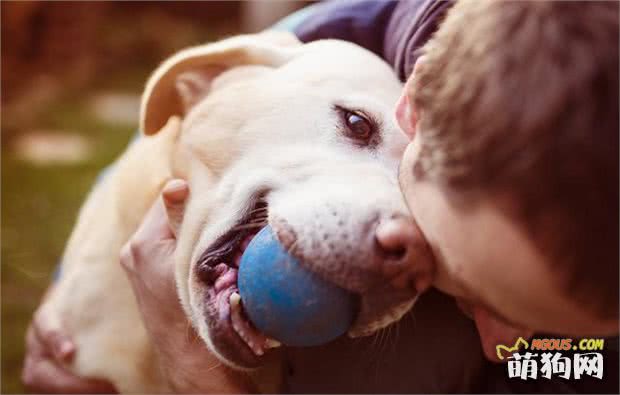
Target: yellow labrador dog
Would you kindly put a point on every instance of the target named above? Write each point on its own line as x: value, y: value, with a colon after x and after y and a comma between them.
x: 266, y: 130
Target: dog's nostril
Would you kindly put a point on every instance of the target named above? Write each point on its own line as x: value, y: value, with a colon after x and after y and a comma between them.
x: 394, y: 237
x: 394, y: 254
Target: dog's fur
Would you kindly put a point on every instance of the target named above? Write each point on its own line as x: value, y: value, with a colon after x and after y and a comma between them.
x: 259, y: 116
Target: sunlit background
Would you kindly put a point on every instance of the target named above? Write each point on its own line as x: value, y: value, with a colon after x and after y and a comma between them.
x: 72, y: 73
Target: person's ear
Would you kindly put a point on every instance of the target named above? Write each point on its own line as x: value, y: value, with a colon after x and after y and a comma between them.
x: 185, y: 79
x: 419, y: 65
x: 406, y: 113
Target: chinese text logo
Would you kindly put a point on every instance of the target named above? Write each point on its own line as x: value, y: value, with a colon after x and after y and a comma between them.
x: 551, y: 361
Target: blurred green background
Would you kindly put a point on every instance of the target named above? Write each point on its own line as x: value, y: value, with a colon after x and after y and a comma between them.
x: 72, y: 73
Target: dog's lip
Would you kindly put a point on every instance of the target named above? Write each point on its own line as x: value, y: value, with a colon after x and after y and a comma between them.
x: 223, y: 249
x: 222, y: 334
x: 231, y: 333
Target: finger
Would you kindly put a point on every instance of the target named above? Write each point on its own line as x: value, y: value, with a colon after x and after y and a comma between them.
x: 148, y: 241
x: 45, y: 376
x: 126, y: 259
x: 51, y: 336
x: 174, y: 195
x: 493, y: 330
x: 154, y: 226
x: 159, y: 225
x: 34, y: 346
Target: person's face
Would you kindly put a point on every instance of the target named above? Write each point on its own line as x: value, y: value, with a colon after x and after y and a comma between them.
x: 486, y: 261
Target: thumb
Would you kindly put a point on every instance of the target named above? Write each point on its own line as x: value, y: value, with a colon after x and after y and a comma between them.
x: 174, y: 195
x: 49, y: 330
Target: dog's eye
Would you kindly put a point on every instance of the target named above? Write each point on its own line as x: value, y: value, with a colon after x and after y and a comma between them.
x: 357, y: 125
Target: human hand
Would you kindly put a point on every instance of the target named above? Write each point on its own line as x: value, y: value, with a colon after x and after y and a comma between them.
x: 492, y: 329
x: 48, y: 351
x: 148, y: 260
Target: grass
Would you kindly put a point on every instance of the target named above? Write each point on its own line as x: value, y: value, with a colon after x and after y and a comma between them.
x: 39, y: 207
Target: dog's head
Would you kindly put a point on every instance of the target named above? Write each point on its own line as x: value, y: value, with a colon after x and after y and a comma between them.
x: 302, y: 137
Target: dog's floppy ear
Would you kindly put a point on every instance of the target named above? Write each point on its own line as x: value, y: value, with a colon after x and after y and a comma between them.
x: 185, y: 78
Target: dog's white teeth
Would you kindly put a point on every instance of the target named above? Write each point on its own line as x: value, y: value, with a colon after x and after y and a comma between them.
x: 255, y: 340
x: 272, y: 343
x: 234, y: 299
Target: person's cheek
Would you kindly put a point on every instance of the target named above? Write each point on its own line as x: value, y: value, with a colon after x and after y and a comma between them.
x: 405, y: 115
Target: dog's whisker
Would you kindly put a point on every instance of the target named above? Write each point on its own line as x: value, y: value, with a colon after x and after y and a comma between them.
x: 386, y: 342
x: 380, y: 334
x: 374, y: 340
x: 291, y: 248
x: 393, y: 338
x: 191, y: 335
x: 384, y: 338
x: 217, y: 365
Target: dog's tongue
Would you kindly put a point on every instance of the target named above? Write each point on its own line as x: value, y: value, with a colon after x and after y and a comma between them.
x: 494, y: 331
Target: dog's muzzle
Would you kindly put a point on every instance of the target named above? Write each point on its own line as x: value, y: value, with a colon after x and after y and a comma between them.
x: 382, y: 258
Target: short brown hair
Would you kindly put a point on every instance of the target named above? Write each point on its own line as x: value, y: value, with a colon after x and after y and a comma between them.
x: 520, y: 98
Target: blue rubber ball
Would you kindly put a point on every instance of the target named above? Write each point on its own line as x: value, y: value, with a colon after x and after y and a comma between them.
x: 287, y: 302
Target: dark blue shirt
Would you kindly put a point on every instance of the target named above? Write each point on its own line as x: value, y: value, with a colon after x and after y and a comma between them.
x: 394, y: 30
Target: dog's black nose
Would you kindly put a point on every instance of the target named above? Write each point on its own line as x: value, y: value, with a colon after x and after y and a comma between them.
x: 406, y: 256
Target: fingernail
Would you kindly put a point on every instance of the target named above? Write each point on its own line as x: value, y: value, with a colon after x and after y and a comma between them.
x: 176, y: 190
x: 66, y: 349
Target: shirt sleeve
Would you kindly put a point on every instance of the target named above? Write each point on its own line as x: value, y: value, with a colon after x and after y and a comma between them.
x: 394, y: 30
x: 362, y: 22
x: 411, y: 25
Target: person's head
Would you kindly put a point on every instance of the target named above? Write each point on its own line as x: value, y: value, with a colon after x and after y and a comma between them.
x: 512, y: 172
